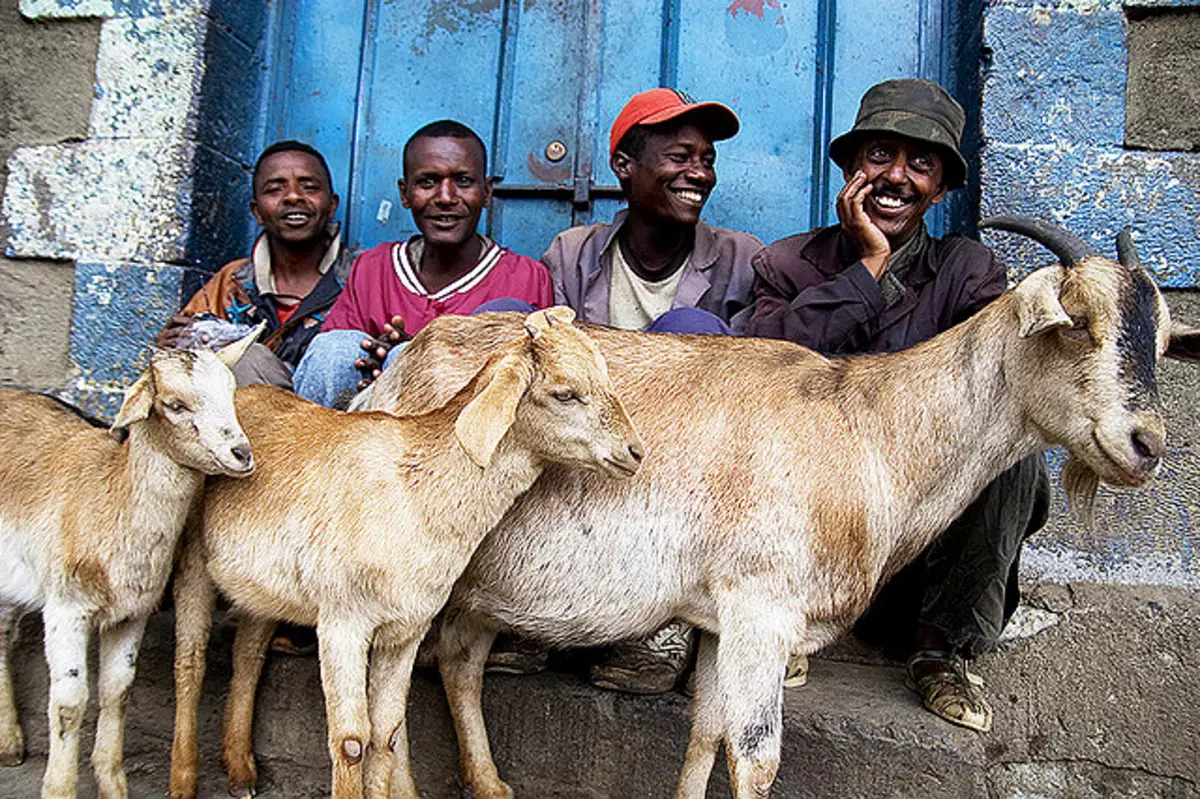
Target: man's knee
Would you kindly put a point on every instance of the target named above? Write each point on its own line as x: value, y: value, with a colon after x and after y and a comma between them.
x: 260, y: 366
x: 690, y: 320
x: 327, y: 369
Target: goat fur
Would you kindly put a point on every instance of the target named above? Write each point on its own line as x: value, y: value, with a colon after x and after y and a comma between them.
x: 88, y: 527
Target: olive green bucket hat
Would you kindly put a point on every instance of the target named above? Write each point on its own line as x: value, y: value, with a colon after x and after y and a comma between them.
x: 913, y: 108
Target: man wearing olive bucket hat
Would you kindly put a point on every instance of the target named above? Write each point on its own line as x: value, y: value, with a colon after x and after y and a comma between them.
x: 878, y: 282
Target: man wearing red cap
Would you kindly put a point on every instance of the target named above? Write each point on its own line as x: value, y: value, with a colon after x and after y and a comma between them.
x: 656, y: 256
x: 878, y: 282
x: 655, y: 267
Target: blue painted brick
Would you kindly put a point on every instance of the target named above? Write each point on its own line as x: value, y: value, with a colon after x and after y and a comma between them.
x: 118, y: 310
x: 1055, y: 75
x: 246, y: 21
x: 1095, y: 191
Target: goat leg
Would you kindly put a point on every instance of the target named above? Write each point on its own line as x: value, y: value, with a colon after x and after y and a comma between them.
x: 462, y: 655
x: 752, y: 656
x: 707, y: 723
x: 344, y: 643
x: 12, y: 737
x: 119, y: 646
x: 66, y: 633
x: 195, y: 598
x: 237, y: 748
x: 387, y: 762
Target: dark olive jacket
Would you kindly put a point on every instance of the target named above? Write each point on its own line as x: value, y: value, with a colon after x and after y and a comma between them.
x: 812, y: 289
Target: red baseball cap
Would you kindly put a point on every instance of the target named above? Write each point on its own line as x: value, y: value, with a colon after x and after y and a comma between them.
x: 660, y: 105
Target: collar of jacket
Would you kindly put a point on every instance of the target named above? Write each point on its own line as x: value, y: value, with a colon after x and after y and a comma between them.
x: 260, y: 256
x: 830, y: 252
x: 692, y: 285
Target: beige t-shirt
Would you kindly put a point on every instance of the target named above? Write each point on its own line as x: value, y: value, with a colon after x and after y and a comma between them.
x: 633, y: 303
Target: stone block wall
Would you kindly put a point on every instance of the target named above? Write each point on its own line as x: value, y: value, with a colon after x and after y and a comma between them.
x: 39, y: 107
x: 1085, y: 122
x: 152, y: 185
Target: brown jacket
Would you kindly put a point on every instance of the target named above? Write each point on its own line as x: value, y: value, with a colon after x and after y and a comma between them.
x: 813, y: 290
x: 717, y: 278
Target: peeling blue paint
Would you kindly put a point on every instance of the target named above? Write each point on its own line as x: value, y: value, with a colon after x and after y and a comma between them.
x: 119, y: 309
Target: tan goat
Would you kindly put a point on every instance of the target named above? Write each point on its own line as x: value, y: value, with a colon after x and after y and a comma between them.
x: 88, y: 531
x: 783, y: 487
x: 360, y: 523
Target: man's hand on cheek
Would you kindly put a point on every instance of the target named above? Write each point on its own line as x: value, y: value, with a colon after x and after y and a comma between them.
x: 873, y: 247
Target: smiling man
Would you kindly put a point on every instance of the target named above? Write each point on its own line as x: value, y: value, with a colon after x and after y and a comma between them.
x: 657, y: 255
x: 396, y: 288
x: 656, y: 267
x: 878, y: 282
x: 293, y: 275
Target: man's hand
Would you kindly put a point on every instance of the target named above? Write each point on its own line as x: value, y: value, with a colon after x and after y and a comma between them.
x: 377, y: 349
x: 173, y: 331
x: 872, y: 245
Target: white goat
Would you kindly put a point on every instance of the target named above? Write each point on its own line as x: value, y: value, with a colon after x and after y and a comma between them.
x: 360, y: 523
x: 88, y: 531
x: 784, y: 487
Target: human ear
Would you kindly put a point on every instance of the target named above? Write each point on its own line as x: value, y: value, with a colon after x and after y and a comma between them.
x: 621, y: 164
x: 403, y: 187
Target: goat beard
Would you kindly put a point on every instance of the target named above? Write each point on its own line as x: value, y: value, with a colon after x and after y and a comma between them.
x: 1080, y: 484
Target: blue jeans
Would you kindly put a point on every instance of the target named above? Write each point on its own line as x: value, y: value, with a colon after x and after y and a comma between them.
x: 326, y: 373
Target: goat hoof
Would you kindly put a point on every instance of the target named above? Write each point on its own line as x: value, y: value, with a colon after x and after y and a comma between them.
x: 12, y: 758
x: 241, y: 789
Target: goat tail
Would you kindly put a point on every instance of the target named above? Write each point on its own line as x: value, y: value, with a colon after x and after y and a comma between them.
x: 1080, y: 484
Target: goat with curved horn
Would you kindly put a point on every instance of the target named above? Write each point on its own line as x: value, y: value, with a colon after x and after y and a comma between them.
x: 1126, y: 253
x: 1069, y: 248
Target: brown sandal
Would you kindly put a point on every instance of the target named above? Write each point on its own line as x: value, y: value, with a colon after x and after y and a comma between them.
x: 950, y: 692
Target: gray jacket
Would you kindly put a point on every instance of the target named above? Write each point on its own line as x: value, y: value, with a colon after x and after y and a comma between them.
x: 717, y: 278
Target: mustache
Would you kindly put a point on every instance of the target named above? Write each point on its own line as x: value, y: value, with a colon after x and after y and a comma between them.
x: 884, y: 188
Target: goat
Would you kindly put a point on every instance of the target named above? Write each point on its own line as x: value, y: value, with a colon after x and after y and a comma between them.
x: 88, y: 530
x: 784, y: 487
x: 361, y: 522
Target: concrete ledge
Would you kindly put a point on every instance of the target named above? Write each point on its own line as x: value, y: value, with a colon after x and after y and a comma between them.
x: 1096, y: 698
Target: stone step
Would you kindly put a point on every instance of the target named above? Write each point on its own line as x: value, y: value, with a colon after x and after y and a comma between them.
x: 554, y: 735
x: 1094, y: 697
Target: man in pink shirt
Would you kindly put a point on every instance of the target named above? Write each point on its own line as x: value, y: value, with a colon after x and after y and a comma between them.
x: 395, y: 289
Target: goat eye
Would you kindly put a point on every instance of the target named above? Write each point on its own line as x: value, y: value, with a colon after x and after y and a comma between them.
x: 566, y: 395
x: 1078, y: 331
x: 175, y: 406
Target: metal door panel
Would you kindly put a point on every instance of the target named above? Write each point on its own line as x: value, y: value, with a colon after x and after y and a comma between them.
x: 423, y: 60
x: 763, y: 67
x: 356, y: 79
x: 539, y: 104
x: 315, y: 81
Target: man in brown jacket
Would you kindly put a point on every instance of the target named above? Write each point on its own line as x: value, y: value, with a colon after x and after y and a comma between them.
x: 295, y: 271
x: 878, y: 282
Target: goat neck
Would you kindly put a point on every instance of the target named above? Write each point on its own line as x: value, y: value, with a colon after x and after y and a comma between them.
x: 159, y: 493
x: 945, y: 417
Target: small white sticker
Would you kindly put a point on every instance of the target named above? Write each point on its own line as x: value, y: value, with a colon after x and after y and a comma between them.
x: 385, y: 210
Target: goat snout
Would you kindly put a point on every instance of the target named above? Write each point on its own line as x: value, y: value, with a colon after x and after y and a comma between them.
x: 1149, y: 445
x: 241, y: 454
x: 636, y: 452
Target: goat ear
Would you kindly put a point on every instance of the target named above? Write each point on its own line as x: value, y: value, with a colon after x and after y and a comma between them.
x: 482, y: 424
x: 139, y: 399
x: 1184, y: 343
x: 1037, y: 304
x: 439, y: 363
x: 539, y: 322
x: 230, y: 354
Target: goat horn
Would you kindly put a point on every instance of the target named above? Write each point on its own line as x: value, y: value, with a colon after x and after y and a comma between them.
x: 1069, y: 248
x: 1126, y: 253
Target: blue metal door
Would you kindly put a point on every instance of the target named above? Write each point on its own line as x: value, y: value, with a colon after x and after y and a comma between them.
x: 542, y: 80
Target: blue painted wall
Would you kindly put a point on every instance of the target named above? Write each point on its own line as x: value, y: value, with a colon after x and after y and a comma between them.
x: 1054, y: 138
